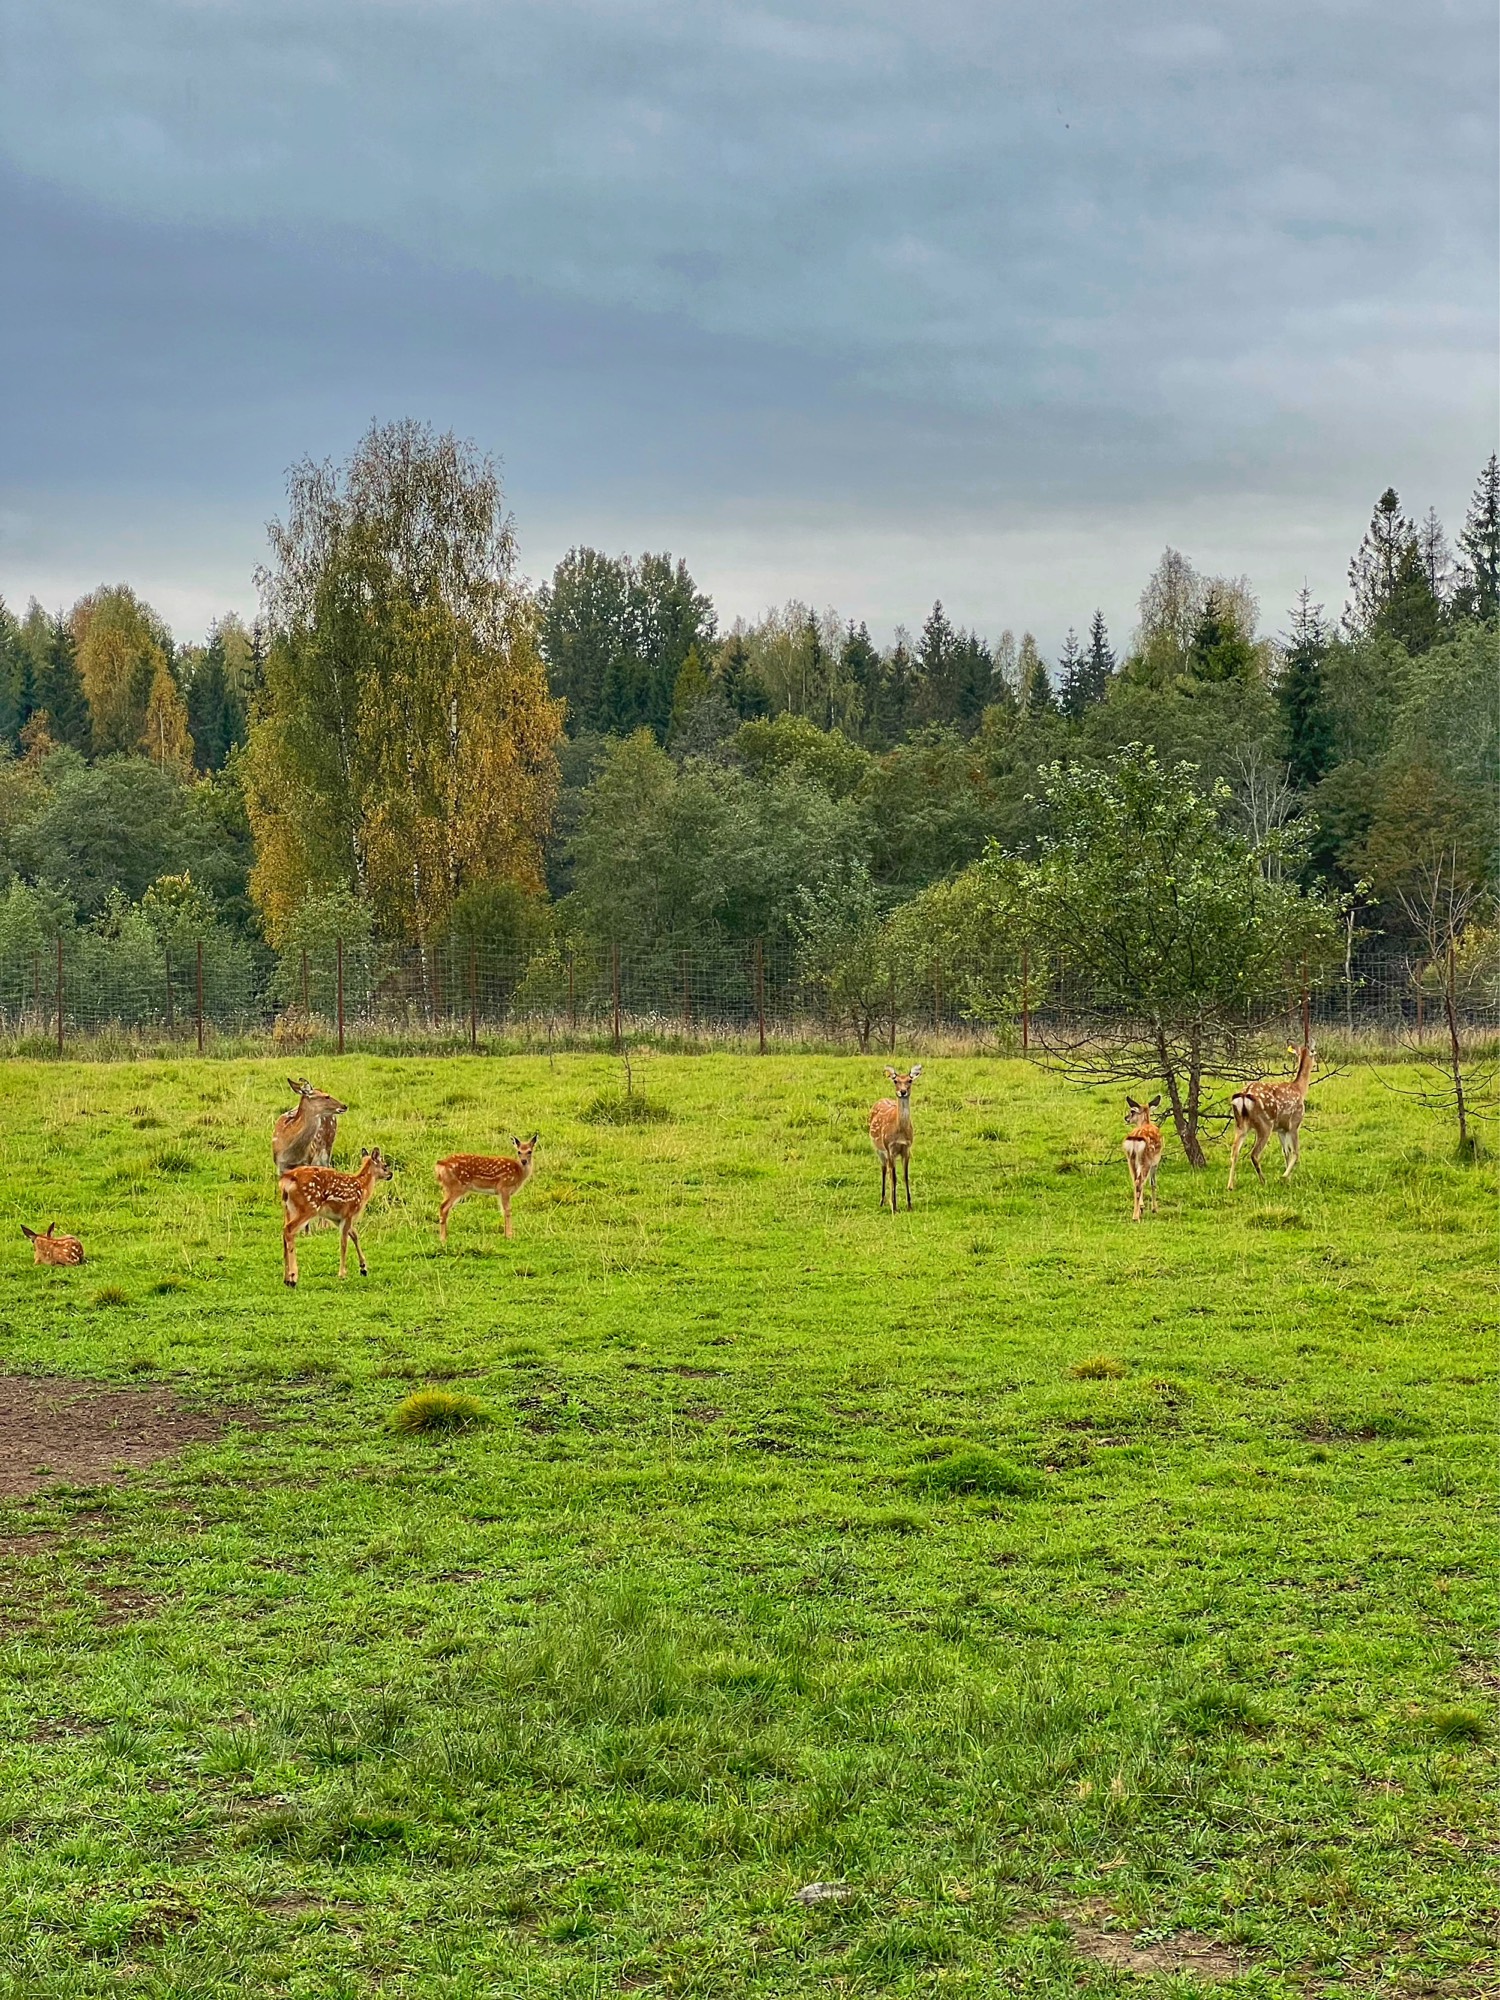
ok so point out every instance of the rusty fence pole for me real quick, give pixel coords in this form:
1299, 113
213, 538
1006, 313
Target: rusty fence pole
306, 1003
1306, 1008
59, 994
687, 993
341, 994
167, 961
200, 996
572, 997
760, 992
36, 987
1025, 1001
937, 999
614, 976
893, 1013
473, 1001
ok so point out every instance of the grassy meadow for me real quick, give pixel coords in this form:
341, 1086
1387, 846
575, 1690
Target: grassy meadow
1032, 1578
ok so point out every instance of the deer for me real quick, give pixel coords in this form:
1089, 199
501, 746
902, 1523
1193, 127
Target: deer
1275, 1104
480, 1173
304, 1137
47, 1247
322, 1194
1143, 1144
891, 1134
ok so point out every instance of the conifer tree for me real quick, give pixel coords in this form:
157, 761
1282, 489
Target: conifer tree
1478, 594
1307, 726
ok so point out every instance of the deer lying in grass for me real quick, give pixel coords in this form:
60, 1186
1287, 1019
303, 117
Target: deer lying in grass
47, 1247
320, 1194
891, 1134
480, 1173
1143, 1144
1275, 1104
304, 1137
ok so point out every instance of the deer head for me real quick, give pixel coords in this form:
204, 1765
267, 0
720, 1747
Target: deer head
1141, 1114
902, 1081
379, 1168
525, 1147
315, 1102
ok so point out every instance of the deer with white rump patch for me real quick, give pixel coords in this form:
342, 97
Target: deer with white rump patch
891, 1134
321, 1194
47, 1247
482, 1173
304, 1137
1143, 1144
1275, 1104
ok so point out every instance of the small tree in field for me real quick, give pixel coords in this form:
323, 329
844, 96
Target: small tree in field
1175, 931
1455, 920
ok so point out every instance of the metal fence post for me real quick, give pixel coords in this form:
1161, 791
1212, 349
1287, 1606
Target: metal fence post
59, 994
200, 996
760, 992
572, 997
473, 1001
687, 992
893, 1013
167, 960
1025, 1001
306, 1003
614, 971
341, 994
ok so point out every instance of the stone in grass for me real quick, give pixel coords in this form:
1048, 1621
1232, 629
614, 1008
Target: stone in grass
427, 1411
812, 1893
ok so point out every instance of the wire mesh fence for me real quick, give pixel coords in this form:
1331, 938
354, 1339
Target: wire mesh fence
75, 991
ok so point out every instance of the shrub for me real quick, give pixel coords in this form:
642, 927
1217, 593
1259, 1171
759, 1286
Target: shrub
608, 1109
1098, 1368
429, 1410
972, 1469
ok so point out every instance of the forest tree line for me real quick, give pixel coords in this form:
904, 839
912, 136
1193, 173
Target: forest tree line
413, 745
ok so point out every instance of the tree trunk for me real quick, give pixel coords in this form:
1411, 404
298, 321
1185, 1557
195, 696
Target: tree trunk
1466, 1147
1184, 1116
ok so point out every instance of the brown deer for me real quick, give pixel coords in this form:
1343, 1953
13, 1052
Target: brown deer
891, 1134
1143, 1143
47, 1247
479, 1173
321, 1194
304, 1137
1275, 1104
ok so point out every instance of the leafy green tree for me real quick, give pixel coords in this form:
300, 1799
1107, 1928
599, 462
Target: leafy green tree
844, 951
792, 743
587, 634
1307, 727
405, 744
310, 937
106, 828
932, 805
1173, 931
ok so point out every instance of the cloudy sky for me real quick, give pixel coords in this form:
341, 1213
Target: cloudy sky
864, 303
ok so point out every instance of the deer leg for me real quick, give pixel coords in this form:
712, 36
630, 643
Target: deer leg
505, 1211
344, 1250
289, 1254
1257, 1149
1234, 1152
882, 1183
450, 1202
1155, 1204
906, 1176
1289, 1151
364, 1269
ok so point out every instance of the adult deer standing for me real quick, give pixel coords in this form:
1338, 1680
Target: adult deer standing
1275, 1104
321, 1194
304, 1137
1143, 1143
481, 1173
47, 1247
891, 1134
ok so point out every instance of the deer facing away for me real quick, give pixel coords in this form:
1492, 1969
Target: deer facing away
304, 1137
481, 1173
1275, 1104
1143, 1144
47, 1247
891, 1134
322, 1194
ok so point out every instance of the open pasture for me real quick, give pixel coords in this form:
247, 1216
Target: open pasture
1094, 1606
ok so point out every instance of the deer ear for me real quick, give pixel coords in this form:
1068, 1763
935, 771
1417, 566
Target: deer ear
1154, 1102
515, 1142
29, 1234
916, 1069
534, 1137
891, 1074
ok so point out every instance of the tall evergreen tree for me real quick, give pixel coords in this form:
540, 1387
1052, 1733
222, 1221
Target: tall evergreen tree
1070, 670
1302, 696
1478, 594
1035, 691
59, 689
1219, 650
737, 680
860, 664
1099, 663
936, 651
1389, 589
974, 679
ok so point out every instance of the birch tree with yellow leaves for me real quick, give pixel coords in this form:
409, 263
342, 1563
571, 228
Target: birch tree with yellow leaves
404, 744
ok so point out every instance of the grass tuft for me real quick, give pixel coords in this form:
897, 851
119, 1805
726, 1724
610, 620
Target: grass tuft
609, 1108
1275, 1218
173, 1162
111, 1295
1098, 1368
972, 1469
1456, 1725
436, 1410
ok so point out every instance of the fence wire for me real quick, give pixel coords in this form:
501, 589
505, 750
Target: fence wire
77, 989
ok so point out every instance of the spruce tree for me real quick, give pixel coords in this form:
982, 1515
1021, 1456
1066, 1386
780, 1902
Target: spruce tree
1219, 651
59, 689
860, 663
1389, 590
1070, 670
1099, 664
1301, 695
1478, 594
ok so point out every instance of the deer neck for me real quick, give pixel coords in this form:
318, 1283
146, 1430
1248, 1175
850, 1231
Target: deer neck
903, 1116
1304, 1071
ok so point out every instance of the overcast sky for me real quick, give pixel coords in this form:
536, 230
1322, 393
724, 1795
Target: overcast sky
862, 303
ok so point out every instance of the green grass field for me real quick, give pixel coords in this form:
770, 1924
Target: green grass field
798, 1548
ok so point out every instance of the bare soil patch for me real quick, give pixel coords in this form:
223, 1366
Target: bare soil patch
56, 1432
1184, 1953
